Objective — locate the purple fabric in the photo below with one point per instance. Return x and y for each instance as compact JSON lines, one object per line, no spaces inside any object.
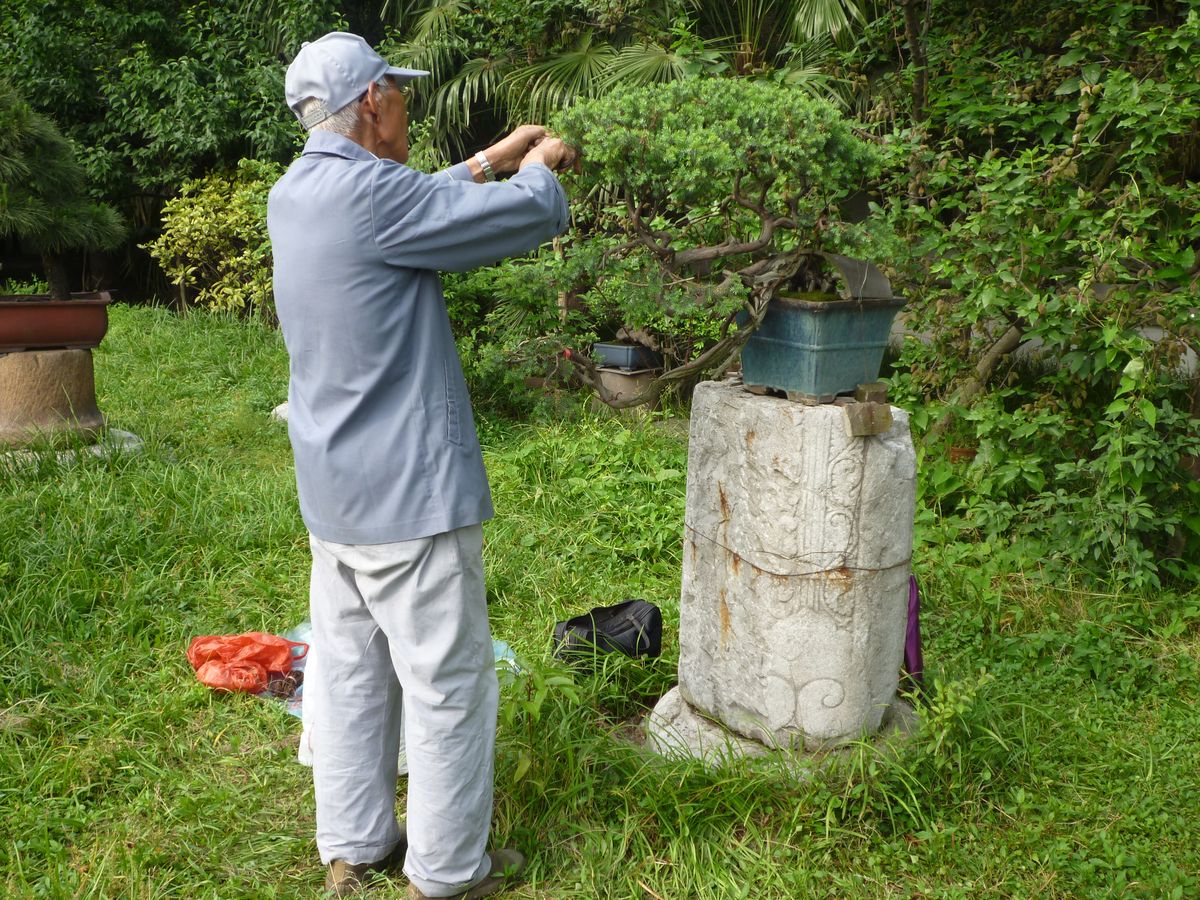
{"x":914,"y":662}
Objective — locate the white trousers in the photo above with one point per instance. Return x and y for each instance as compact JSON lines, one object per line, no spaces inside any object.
{"x":404,"y":624}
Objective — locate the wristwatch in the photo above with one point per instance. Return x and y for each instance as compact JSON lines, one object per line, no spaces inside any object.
{"x":488,"y":173}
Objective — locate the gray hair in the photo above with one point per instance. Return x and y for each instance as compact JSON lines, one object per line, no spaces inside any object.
{"x":345,"y":120}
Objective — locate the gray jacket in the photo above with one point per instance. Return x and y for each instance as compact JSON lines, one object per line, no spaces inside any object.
{"x":378,"y":412}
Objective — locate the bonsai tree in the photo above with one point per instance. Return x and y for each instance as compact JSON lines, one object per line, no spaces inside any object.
{"x":42,"y":193}
{"x":706,"y":198}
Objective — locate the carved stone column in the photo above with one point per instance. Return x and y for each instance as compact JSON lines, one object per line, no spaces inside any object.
{"x":797,"y":550}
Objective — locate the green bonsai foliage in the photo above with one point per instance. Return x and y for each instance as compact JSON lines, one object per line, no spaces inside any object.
{"x":43,"y":202}
{"x":705,"y":198}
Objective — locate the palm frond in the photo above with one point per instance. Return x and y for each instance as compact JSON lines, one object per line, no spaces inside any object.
{"x":437,"y":21}
{"x":805,"y":66}
{"x":479,"y":81}
{"x":551,"y":84}
{"x":755,"y":30}
{"x":398,"y":12}
{"x":832,"y":17}
{"x":817,"y":83}
{"x":644,"y":63}
{"x":749,"y":32}
{"x":430,"y":44}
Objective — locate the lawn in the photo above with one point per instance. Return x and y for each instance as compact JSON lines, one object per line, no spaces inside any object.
{"x":1058,"y":755}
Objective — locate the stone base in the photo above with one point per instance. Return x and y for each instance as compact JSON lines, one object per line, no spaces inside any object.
{"x":675,"y":728}
{"x":280,"y":413}
{"x":47,"y":395}
{"x":794,"y":594}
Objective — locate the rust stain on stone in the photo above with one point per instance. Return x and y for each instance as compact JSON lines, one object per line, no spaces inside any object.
{"x":724,"y":501}
{"x":726,"y":621}
{"x":735,"y":562}
{"x":750,"y":436}
{"x":843,"y":575}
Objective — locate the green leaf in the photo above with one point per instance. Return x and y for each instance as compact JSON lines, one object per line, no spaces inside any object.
{"x":1070,"y":58}
{"x":1149,"y":412}
{"x":524,"y":761}
{"x":1049,"y":132}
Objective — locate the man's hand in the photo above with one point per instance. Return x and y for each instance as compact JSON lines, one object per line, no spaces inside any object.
{"x":507,"y":154}
{"x":554,"y":153}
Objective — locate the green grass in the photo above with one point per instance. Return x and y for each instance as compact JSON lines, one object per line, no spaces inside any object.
{"x":1058,"y":756}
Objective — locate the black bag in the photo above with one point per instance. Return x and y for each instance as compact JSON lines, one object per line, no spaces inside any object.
{"x":633,"y":628}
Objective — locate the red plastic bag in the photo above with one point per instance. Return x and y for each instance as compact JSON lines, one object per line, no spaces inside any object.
{"x":242,"y":662}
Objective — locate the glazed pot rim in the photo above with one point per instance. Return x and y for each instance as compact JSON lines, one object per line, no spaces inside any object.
{"x":832,"y":299}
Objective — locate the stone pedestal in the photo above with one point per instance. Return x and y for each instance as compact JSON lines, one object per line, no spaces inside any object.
{"x":798,"y":539}
{"x":46,"y":394}
{"x":675,"y":728}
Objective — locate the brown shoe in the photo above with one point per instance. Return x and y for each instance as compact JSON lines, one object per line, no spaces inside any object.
{"x":506,"y":866}
{"x":346,"y":879}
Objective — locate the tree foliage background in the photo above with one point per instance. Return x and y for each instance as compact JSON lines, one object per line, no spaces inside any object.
{"x":154,"y":93}
{"x":1036,"y":204}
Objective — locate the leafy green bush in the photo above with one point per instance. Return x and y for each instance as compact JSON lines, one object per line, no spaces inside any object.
{"x":166,"y":90}
{"x":24,"y":286}
{"x":699,"y":201}
{"x":1049,"y":207}
{"x":501,"y":316}
{"x":214,"y":242}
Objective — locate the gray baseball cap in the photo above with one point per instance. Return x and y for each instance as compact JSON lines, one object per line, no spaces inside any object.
{"x":335,"y":70}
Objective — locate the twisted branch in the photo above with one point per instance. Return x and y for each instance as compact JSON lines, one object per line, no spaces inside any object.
{"x":645,"y":234}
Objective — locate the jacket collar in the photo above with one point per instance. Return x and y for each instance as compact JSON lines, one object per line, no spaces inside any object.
{"x":330,"y":144}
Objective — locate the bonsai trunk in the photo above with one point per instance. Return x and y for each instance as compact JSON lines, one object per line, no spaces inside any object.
{"x":57,"y":275}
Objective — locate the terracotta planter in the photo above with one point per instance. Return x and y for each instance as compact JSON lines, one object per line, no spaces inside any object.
{"x":38,"y":323}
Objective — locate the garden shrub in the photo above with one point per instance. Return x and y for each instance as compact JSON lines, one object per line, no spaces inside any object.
{"x":504,"y":319}
{"x":1049,"y":205}
{"x":214,"y":244}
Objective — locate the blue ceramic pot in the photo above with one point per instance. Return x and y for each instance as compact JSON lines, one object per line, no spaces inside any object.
{"x":816,"y":349}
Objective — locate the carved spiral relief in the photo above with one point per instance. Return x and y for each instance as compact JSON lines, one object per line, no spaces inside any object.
{"x":829,"y":691}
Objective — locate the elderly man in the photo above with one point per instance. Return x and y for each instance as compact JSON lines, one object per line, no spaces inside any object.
{"x":390,"y":476}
